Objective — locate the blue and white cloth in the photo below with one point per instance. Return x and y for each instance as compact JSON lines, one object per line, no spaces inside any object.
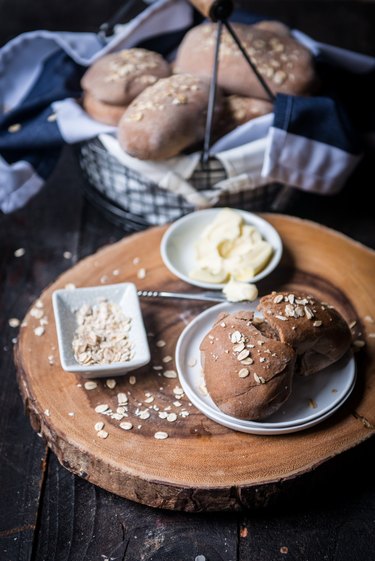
{"x":311,"y":143}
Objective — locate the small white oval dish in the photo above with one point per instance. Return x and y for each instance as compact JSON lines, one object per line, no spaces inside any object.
{"x":66,"y":303}
{"x":178,"y":244}
{"x":313,"y":399}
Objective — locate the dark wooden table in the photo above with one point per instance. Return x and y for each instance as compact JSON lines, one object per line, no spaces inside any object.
{"x":48,"y":514}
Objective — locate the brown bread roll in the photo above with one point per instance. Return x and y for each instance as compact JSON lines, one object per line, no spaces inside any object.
{"x":166,"y":118}
{"x":285,"y":64}
{"x":248,"y":375}
{"x":119,"y":77}
{"x":317,"y":332}
{"x":101,"y":111}
{"x":238,"y":110}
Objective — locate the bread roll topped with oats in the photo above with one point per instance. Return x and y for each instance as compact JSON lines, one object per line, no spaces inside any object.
{"x":286,"y":65}
{"x":317,"y":332}
{"x":114,"y":80}
{"x":167,"y":118}
{"x":247,"y":374}
{"x":249,"y":362}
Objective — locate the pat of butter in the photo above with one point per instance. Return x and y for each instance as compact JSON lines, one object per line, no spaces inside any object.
{"x":229,"y":248}
{"x":240,"y":291}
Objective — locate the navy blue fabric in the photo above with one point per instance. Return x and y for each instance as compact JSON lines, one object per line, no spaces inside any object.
{"x":59,"y":80}
{"x":318,"y":118}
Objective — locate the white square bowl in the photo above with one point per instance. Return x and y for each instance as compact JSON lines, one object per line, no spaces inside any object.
{"x":67,"y":302}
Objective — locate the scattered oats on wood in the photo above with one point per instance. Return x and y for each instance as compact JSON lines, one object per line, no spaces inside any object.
{"x":160,"y":343}
{"x":14,"y":322}
{"x":163,"y":414}
{"x":243,"y":373}
{"x":352,"y":324}
{"x":47,"y":412}
{"x":115,"y":272}
{"x":101,"y":408}
{"x":136,"y":260}
{"x":238,"y":347}
{"x":104,"y":279}
{"x":90,"y":385}
{"x":126,"y":425}
{"x":132,"y":380}
{"x":44,"y":321}
{"x":177,"y":403}
{"x":141,"y":274}
{"x":39,"y":303}
{"x":144,"y":414}
{"x":167,"y":359}
{"x":262,"y":359}
{"x":184,"y":413}
{"x":369,"y":319}
{"x":149,"y":399}
{"x":36,"y":313}
{"x":178,"y":390}
{"x":223,"y":324}
{"x":102,"y":434}
{"x":71,"y":414}
{"x":372,"y":335}
{"x":39,"y":331}
{"x":171,"y":417}
{"x":99,"y":426}
{"x":19,"y":252}
{"x":157,"y":368}
{"x":317,"y":323}
{"x":161,"y":435}
{"x":111,"y":383}
{"x":170,"y":374}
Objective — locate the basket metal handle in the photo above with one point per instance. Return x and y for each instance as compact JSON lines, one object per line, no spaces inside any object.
{"x":217,"y":10}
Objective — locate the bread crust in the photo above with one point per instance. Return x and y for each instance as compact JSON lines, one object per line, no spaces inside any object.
{"x":317,"y":332}
{"x":118,"y":78}
{"x":101,"y":111}
{"x":268,"y":383}
{"x":286,"y":65}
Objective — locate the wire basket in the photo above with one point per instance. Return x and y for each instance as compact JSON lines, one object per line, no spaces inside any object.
{"x":134,"y":202}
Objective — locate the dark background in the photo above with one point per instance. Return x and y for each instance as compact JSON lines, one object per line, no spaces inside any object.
{"x":48,"y":514}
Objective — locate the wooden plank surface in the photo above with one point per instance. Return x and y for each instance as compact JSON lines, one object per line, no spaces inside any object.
{"x":202,"y":466}
{"x":320,"y":520}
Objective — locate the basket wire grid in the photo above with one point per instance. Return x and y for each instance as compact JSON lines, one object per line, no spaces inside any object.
{"x":134,"y":202}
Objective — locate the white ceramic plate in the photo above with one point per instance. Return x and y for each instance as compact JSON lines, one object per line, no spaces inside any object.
{"x":178,"y":244}
{"x":65,"y":305}
{"x":327,"y":389}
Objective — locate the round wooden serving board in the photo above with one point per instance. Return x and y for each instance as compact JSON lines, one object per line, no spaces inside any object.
{"x":201,"y":465}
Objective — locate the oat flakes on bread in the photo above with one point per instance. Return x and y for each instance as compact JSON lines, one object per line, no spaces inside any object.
{"x":247,"y":374}
{"x":286,"y":65}
{"x":117,"y":78}
{"x":167,"y":118}
{"x":317,"y":332}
